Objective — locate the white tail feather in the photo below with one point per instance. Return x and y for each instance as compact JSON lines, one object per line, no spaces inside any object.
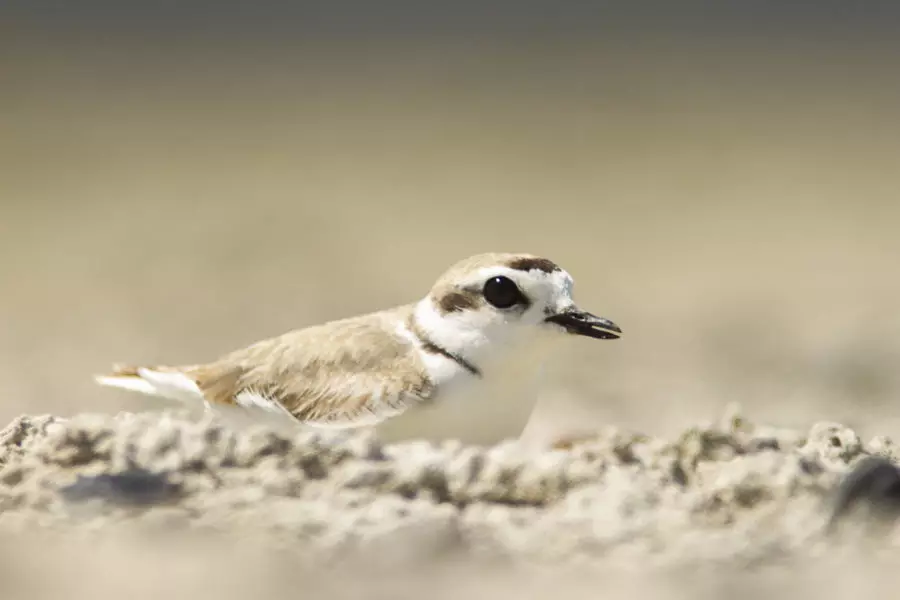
{"x":134,"y":384}
{"x":171,"y":385}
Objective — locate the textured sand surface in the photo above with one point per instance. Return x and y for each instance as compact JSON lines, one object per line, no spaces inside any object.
{"x":266,"y":510}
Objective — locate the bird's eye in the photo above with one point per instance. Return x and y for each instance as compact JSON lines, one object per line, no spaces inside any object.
{"x":501,"y":292}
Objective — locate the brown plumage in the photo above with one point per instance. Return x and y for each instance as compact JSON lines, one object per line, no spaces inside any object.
{"x":338,"y":372}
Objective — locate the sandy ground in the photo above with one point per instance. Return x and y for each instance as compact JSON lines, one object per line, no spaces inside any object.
{"x":245,"y":508}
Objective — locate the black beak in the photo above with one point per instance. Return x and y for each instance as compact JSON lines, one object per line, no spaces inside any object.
{"x":579,"y":322}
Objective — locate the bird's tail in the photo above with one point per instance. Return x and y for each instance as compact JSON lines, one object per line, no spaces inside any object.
{"x":167,"y":382}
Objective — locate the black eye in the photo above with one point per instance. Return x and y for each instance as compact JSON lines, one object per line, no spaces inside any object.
{"x":501,"y":292}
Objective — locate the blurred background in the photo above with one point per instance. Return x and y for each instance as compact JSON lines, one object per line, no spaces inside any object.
{"x":181,"y":179}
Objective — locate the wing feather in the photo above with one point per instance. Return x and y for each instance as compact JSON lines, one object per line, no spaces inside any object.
{"x":350,"y":373}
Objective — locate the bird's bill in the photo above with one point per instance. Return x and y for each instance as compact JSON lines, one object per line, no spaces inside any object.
{"x":579,"y":322}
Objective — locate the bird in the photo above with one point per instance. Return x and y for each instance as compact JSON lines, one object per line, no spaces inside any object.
{"x":412,"y":371}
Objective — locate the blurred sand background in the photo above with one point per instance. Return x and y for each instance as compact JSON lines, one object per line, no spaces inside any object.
{"x":724,"y":186}
{"x":179,"y":180}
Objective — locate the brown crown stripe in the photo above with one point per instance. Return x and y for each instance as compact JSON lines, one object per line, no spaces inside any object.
{"x":534,"y":264}
{"x":457,"y":301}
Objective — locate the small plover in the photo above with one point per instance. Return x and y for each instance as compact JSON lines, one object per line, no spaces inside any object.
{"x":399,"y":370}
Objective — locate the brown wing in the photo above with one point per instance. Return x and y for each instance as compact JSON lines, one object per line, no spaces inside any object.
{"x":347,"y":373}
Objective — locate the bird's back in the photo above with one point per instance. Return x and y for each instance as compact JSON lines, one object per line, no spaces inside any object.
{"x":351,"y":372}
{"x":362,"y":368}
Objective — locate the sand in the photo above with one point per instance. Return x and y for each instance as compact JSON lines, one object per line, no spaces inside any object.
{"x":218,"y":509}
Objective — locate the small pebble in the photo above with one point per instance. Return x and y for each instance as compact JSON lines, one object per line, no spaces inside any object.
{"x":874,"y":483}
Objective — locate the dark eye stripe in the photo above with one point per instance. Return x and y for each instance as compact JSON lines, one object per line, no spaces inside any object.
{"x":457,"y":301}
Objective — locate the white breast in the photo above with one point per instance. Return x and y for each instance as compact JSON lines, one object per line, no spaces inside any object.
{"x":475,"y":410}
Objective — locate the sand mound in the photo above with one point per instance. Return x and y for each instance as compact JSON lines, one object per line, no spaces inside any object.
{"x":225,"y":510}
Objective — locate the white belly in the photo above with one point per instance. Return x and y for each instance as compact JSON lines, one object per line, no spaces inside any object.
{"x":478,"y":411}
{"x":473,"y":418}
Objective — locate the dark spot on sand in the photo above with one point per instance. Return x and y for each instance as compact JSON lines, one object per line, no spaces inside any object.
{"x":134,"y":487}
{"x":873,"y":484}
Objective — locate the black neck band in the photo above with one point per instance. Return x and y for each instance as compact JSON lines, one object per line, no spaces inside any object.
{"x":432,"y":347}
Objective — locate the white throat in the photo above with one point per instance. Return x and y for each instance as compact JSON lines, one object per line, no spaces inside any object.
{"x":465,"y":334}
